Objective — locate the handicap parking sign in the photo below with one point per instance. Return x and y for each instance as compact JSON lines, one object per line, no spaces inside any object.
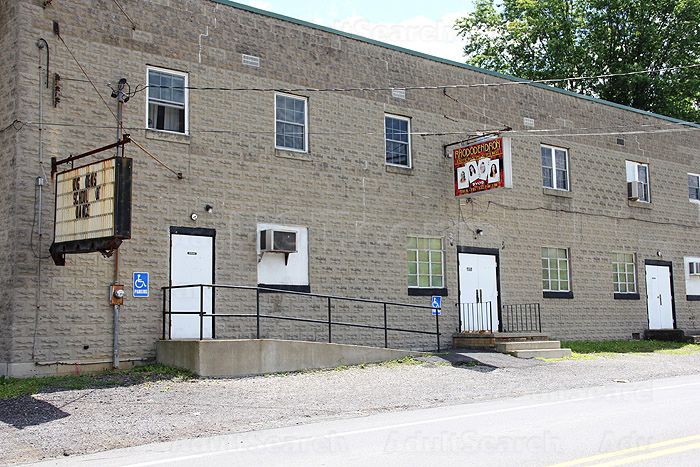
{"x":436,"y":303}
{"x":140,"y":284}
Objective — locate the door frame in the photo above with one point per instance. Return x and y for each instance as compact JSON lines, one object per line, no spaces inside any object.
{"x":473,"y":250}
{"x":669,"y":265}
{"x":197,"y":232}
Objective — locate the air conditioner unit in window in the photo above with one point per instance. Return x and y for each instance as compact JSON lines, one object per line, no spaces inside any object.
{"x":278,"y":241}
{"x":694,"y":268}
{"x":635,"y":190}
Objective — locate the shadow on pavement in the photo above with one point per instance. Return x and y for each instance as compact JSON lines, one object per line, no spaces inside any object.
{"x":25,"y":411}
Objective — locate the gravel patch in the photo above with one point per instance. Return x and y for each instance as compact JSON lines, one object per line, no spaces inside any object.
{"x":76,"y":422}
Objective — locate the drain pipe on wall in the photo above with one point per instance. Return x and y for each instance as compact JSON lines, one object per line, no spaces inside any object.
{"x":40,"y":182}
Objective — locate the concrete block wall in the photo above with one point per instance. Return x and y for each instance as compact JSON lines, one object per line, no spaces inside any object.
{"x":357,"y":210}
{"x":8,"y":97}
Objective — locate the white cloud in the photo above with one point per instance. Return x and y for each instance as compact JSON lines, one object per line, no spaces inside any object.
{"x":434,"y":37}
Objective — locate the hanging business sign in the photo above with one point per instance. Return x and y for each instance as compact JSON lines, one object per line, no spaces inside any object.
{"x":93,"y":208}
{"x":482,"y":167}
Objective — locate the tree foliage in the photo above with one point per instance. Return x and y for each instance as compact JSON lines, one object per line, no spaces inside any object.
{"x":541,"y":39}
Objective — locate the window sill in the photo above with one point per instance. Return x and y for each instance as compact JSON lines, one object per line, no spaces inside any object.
{"x":693,"y":298}
{"x":295,"y":155}
{"x":546,"y":294}
{"x":426,"y":292}
{"x":171,"y":137}
{"x":639,"y":204}
{"x":396,"y":169}
{"x":288,"y":288}
{"x":557,"y":193}
{"x":626,"y":296}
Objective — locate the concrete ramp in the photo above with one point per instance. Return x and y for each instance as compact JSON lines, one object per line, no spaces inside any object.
{"x":245,"y":357}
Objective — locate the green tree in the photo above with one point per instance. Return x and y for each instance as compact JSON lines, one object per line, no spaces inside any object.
{"x":541,"y":39}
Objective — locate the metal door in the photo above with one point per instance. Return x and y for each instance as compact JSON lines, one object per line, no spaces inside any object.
{"x":191,"y":262}
{"x":659,"y":297}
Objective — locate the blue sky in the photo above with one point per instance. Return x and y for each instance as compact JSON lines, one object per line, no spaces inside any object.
{"x":418,"y":25}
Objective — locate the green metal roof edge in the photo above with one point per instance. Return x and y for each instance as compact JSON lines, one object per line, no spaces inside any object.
{"x":446,"y":61}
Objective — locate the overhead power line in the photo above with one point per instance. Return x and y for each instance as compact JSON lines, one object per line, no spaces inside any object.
{"x":558,"y":132}
{"x":517,"y":82}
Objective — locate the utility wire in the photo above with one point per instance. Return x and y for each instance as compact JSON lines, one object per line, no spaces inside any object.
{"x":512,"y":133}
{"x":592,"y":214}
{"x":177,"y":174}
{"x":88,"y":77}
{"x":133,"y":25}
{"x":480,"y":112}
{"x":433,"y":87}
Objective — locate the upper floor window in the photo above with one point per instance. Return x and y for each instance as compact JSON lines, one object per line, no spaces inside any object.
{"x":167,"y":100}
{"x":555,"y":270}
{"x":555,"y":167}
{"x":694,"y":187}
{"x":397,"y":132}
{"x":425,"y":262}
{"x":624,"y":273}
{"x":639,"y":173}
{"x":291,"y":123}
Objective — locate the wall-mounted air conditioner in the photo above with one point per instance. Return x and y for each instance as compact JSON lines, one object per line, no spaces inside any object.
{"x":278,"y":241}
{"x":635,"y":190}
{"x":694,"y":268}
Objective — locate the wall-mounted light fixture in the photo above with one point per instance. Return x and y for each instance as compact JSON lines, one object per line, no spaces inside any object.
{"x":209,"y":208}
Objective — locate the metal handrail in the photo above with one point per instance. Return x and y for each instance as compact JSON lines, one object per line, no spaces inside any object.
{"x":167,"y":311}
{"x":522,"y":317}
{"x":476,"y":316}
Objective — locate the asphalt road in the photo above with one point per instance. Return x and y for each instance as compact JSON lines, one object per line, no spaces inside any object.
{"x":654,"y":422}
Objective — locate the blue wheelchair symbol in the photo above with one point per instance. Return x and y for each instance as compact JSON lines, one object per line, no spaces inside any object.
{"x":140,"y":284}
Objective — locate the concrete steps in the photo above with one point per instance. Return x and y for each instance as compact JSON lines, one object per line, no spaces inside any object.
{"x":533,"y":349}
{"x":507,"y":347}
{"x":542,"y":353}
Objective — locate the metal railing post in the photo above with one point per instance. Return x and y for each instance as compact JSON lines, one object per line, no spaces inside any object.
{"x":330,"y":335}
{"x":386,"y":331}
{"x":437,"y":329}
{"x":257,"y":313}
{"x":201,"y":312}
{"x":170,"y":312}
{"x":539,"y":318}
{"x":490,"y":317}
{"x":163,"y":314}
{"x":459,"y":317}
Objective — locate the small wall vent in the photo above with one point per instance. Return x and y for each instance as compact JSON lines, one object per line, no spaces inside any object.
{"x":398,"y":93}
{"x":528,"y":122}
{"x":621,"y":141}
{"x":250,"y":60}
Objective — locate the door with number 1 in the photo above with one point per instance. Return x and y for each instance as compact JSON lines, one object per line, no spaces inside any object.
{"x":659,"y":296}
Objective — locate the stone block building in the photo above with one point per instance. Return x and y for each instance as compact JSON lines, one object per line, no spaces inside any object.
{"x":345,"y":142}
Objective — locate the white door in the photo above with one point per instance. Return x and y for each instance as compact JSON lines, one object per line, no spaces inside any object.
{"x":478,"y":292}
{"x":191,"y":262}
{"x":659,"y":297}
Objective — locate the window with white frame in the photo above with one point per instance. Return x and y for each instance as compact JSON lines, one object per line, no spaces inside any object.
{"x":694,"y":187}
{"x":425,"y":262}
{"x":555,"y":167}
{"x":397,"y":131}
{"x":555,"y":270}
{"x":167,"y":100}
{"x":638,"y":172}
{"x":291,"y":123}
{"x":624,"y":273}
